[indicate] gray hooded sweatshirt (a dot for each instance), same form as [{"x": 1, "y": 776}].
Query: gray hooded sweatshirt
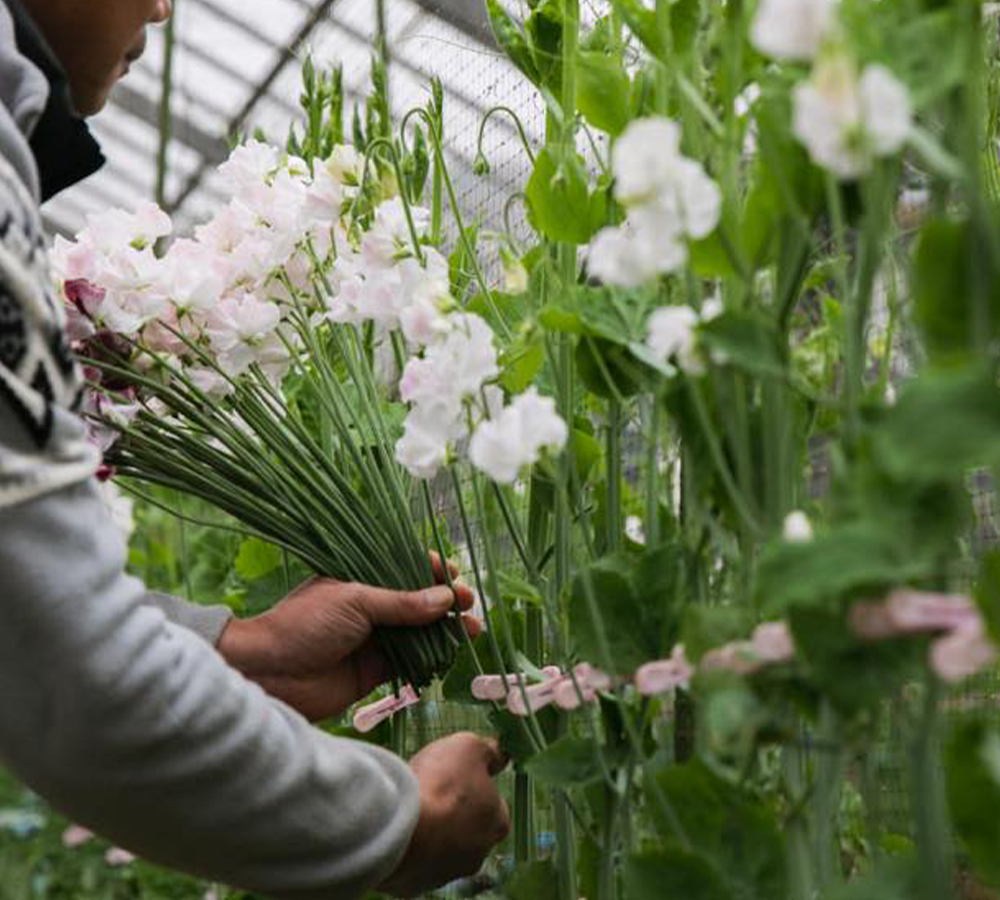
[{"x": 114, "y": 704}]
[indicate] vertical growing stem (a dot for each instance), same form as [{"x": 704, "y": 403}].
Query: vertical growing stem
[{"x": 933, "y": 835}]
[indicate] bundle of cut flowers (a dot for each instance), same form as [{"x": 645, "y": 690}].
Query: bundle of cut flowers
[{"x": 246, "y": 365}]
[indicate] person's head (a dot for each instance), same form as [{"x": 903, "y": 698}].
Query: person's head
[{"x": 96, "y": 40}]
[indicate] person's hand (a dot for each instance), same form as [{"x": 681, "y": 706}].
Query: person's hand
[
  {"x": 462, "y": 816},
  {"x": 315, "y": 650}
]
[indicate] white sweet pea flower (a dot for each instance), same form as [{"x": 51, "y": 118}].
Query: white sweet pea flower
[
  {"x": 643, "y": 158},
  {"x": 515, "y": 438},
  {"x": 791, "y": 29},
  {"x": 698, "y": 199},
  {"x": 248, "y": 166},
  {"x": 423, "y": 448},
  {"x": 669, "y": 198},
  {"x": 646, "y": 245},
  {"x": 671, "y": 336},
  {"x": 844, "y": 121}
]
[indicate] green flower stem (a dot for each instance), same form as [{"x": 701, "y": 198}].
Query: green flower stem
[
  {"x": 463, "y": 234},
  {"x": 933, "y": 834},
  {"x": 826, "y": 800},
  {"x": 517, "y": 122},
  {"x": 615, "y": 475},
  {"x": 739, "y": 501},
  {"x": 651, "y": 417},
  {"x": 505, "y": 626},
  {"x": 800, "y": 865},
  {"x": 522, "y": 818}
]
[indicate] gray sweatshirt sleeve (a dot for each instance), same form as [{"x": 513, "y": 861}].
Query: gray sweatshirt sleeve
[
  {"x": 205, "y": 621},
  {"x": 125, "y": 721},
  {"x": 137, "y": 729}
]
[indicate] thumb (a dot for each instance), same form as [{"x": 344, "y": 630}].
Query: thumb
[{"x": 385, "y": 607}]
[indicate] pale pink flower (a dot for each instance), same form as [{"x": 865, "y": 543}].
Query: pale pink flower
[
  {"x": 589, "y": 682},
  {"x": 118, "y": 856},
  {"x": 76, "y": 836},
  {"x": 664, "y": 675},
  {"x": 772, "y": 642},
  {"x": 367, "y": 717},
  {"x": 538, "y": 695},
  {"x": 493, "y": 687},
  {"x": 907, "y": 611},
  {"x": 962, "y": 652},
  {"x": 769, "y": 644}
]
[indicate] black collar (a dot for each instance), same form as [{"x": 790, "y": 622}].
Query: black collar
[{"x": 65, "y": 150}]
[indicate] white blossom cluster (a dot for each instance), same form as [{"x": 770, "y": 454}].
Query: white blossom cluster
[
  {"x": 844, "y": 117},
  {"x": 220, "y": 289},
  {"x": 669, "y": 198}
]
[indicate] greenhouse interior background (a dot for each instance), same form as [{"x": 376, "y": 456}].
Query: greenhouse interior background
[
  {"x": 724, "y": 482},
  {"x": 222, "y": 69}
]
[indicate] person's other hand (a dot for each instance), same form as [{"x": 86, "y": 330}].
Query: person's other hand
[
  {"x": 315, "y": 650},
  {"x": 462, "y": 816}
]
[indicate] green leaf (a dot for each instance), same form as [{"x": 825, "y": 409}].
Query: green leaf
[
  {"x": 728, "y": 826},
  {"x": 642, "y": 23},
  {"x": 857, "y": 557},
  {"x": 673, "y": 874},
  {"x": 705, "y": 627},
  {"x": 746, "y": 341},
  {"x": 987, "y": 592},
  {"x": 855, "y": 674},
  {"x": 972, "y": 762},
  {"x": 630, "y": 598},
  {"x": 685, "y": 16},
  {"x": 520, "y": 364},
  {"x": 256, "y": 558},
  {"x": 536, "y": 880},
  {"x": 511, "y": 39},
  {"x": 544, "y": 31},
  {"x": 569, "y": 762},
  {"x": 891, "y": 879},
  {"x": 608, "y": 369},
  {"x": 708, "y": 257},
  {"x": 514, "y": 588},
  {"x": 944, "y": 423},
  {"x": 603, "y": 89},
  {"x": 558, "y": 198},
  {"x": 947, "y": 292}
]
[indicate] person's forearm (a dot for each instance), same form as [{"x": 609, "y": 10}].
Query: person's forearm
[{"x": 139, "y": 730}]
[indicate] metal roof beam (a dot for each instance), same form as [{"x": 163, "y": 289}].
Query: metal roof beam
[
  {"x": 468, "y": 16},
  {"x": 285, "y": 56},
  {"x": 212, "y": 149}
]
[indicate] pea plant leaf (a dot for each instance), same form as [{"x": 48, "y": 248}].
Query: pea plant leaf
[
  {"x": 603, "y": 89},
  {"x": 745, "y": 340},
  {"x": 569, "y": 762},
  {"x": 729, "y": 827},
  {"x": 558, "y": 198},
  {"x": 972, "y": 772},
  {"x": 673, "y": 874}
]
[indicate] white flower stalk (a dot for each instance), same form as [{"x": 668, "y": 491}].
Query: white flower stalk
[
  {"x": 503, "y": 445},
  {"x": 845, "y": 122},
  {"x": 791, "y": 29},
  {"x": 669, "y": 198}
]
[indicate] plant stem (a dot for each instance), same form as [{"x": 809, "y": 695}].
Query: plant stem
[{"x": 933, "y": 834}]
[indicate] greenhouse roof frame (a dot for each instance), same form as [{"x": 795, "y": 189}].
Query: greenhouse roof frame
[{"x": 233, "y": 68}]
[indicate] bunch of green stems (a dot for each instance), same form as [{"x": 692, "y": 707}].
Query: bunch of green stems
[{"x": 312, "y": 471}]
